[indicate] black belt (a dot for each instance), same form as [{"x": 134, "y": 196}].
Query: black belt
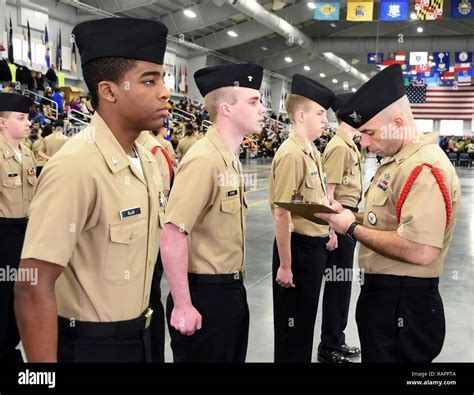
[
  {"x": 13, "y": 221},
  {"x": 230, "y": 278},
  {"x": 354, "y": 209},
  {"x": 117, "y": 329},
  {"x": 388, "y": 280},
  {"x": 310, "y": 240}
]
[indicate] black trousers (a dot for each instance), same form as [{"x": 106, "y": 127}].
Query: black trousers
[
  {"x": 157, "y": 327},
  {"x": 12, "y": 234},
  {"x": 337, "y": 294},
  {"x": 121, "y": 341},
  {"x": 294, "y": 309},
  {"x": 400, "y": 319},
  {"x": 225, "y": 323}
]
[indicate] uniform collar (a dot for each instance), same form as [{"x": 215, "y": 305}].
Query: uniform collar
[
  {"x": 301, "y": 143},
  {"x": 8, "y": 152},
  {"x": 413, "y": 147},
  {"x": 343, "y": 135},
  {"x": 111, "y": 150},
  {"x": 216, "y": 138}
]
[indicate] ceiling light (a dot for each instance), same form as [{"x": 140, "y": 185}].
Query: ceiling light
[
  {"x": 332, "y": 24},
  {"x": 190, "y": 13},
  {"x": 419, "y": 29},
  {"x": 334, "y": 81},
  {"x": 311, "y": 5},
  {"x": 430, "y": 57},
  {"x": 288, "y": 59},
  {"x": 322, "y": 75},
  {"x": 413, "y": 15},
  {"x": 354, "y": 90},
  {"x": 264, "y": 48},
  {"x": 307, "y": 68},
  {"x": 232, "y": 33}
]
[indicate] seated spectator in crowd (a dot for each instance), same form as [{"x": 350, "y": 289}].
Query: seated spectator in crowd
[
  {"x": 451, "y": 144},
  {"x": 76, "y": 104},
  {"x": 58, "y": 98},
  {"x": 40, "y": 83},
  {"x": 48, "y": 113},
  {"x": 470, "y": 149},
  {"x": 186, "y": 142}
]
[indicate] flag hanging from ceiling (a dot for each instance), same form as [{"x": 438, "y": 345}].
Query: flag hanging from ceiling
[
  {"x": 462, "y": 9},
  {"x": 428, "y": 9},
  {"x": 10, "y": 43},
  {"x": 464, "y": 77},
  {"x": 417, "y": 58},
  {"x": 463, "y": 57},
  {"x": 73, "y": 58},
  {"x": 326, "y": 10},
  {"x": 441, "y": 60},
  {"x": 59, "y": 57},
  {"x": 394, "y": 10},
  {"x": 360, "y": 10},
  {"x": 374, "y": 58},
  {"x": 30, "y": 56},
  {"x": 441, "y": 102},
  {"x": 47, "y": 57}
]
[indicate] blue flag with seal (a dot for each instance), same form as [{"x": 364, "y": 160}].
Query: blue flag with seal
[
  {"x": 441, "y": 59},
  {"x": 374, "y": 58},
  {"x": 463, "y": 57},
  {"x": 394, "y": 10},
  {"x": 462, "y": 9},
  {"x": 326, "y": 10}
]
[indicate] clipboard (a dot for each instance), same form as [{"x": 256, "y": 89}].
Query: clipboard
[{"x": 307, "y": 210}]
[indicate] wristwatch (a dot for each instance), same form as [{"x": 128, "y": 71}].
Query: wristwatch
[{"x": 350, "y": 231}]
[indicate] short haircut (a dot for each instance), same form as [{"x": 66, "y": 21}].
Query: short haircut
[
  {"x": 214, "y": 98},
  {"x": 105, "y": 69},
  {"x": 5, "y": 114},
  {"x": 294, "y": 103}
]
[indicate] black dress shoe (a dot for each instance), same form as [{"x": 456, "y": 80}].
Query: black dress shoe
[
  {"x": 331, "y": 356},
  {"x": 350, "y": 352}
]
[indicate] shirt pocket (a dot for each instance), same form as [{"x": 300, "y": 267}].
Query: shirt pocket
[
  {"x": 32, "y": 180},
  {"x": 12, "y": 182},
  {"x": 311, "y": 183},
  {"x": 228, "y": 222},
  {"x": 126, "y": 251}
]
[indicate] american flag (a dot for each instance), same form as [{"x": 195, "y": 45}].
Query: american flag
[{"x": 442, "y": 102}]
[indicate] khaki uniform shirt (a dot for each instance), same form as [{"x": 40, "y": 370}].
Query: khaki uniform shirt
[
  {"x": 148, "y": 142},
  {"x": 342, "y": 165},
  {"x": 423, "y": 216},
  {"x": 18, "y": 180},
  {"x": 101, "y": 221},
  {"x": 167, "y": 145},
  {"x": 53, "y": 142},
  {"x": 185, "y": 144},
  {"x": 36, "y": 147},
  {"x": 296, "y": 167},
  {"x": 208, "y": 202}
]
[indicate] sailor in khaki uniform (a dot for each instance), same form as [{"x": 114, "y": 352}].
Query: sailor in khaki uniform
[
  {"x": 203, "y": 241},
  {"x": 94, "y": 229},
  {"x": 157, "y": 325},
  {"x": 53, "y": 143},
  {"x": 186, "y": 142},
  {"x": 299, "y": 250},
  {"x": 18, "y": 179},
  {"x": 404, "y": 240},
  {"x": 342, "y": 165},
  {"x": 160, "y": 136}
]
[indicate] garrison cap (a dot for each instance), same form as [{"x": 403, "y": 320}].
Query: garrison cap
[
  {"x": 15, "y": 102},
  {"x": 312, "y": 90},
  {"x": 378, "y": 93},
  {"x": 215, "y": 77},
  {"x": 130, "y": 38}
]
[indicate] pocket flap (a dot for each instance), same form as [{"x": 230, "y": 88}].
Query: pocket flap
[
  {"x": 380, "y": 199},
  {"x": 312, "y": 181},
  {"x": 230, "y": 206},
  {"x": 128, "y": 232},
  {"x": 13, "y": 182}
]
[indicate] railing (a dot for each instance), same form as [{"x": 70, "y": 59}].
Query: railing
[
  {"x": 187, "y": 116},
  {"x": 80, "y": 113},
  {"x": 206, "y": 124},
  {"x": 54, "y": 105}
]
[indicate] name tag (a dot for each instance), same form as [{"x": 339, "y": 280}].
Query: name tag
[
  {"x": 232, "y": 193},
  {"x": 12, "y": 174},
  {"x": 130, "y": 212}
]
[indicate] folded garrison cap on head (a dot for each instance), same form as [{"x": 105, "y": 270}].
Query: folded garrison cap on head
[
  {"x": 15, "y": 102},
  {"x": 215, "y": 77},
  {"x": 378, "y": 93},
  {"x": 130, "y": 38},
  {"x": 306, "y": 87},
  {"x": 340, "y": 101}
]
